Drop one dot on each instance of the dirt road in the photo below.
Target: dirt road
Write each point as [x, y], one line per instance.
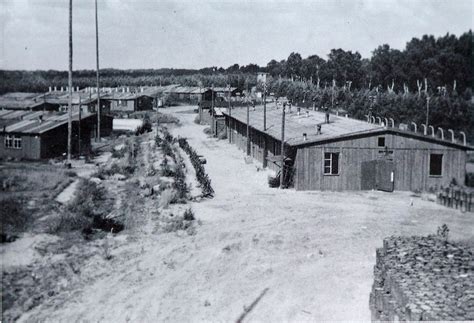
[314, 251]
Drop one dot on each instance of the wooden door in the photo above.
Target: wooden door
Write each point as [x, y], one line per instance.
[385, 175]
[378, 175]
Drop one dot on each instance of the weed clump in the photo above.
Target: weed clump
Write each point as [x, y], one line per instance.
[14, 218]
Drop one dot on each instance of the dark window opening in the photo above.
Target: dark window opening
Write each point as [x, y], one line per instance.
[331, 163]
[436, 164]
[381, 141]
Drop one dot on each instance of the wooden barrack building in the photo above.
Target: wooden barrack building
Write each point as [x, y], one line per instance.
[350, 154]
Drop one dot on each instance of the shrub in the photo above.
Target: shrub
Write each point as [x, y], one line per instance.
[14, 218]
[189, 215]
[443, 232]
[90, 200]
[176, 224]
[71, 173]
[118, 153]
[179, 183]
[67, 222]
[274, 181]
[145, 127]
[197, 120]
[202, 177]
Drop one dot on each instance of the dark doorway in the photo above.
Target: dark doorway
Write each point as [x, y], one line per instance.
[378, 175]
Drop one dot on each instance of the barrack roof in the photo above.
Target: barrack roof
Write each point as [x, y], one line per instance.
[27, 122]
[307, 121]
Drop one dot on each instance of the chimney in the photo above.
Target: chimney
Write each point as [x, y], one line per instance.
[77, 89]
[55, 89]
[62, 89]
[128, 89]
[305, 137]
[49, 90]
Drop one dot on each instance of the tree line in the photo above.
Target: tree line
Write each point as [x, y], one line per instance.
[391, 83]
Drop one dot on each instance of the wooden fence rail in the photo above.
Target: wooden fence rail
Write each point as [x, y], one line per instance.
[456, 198]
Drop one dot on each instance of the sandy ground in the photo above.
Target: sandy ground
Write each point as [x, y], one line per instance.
[313, 252]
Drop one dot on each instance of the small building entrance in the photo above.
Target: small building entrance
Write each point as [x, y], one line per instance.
[378, 175]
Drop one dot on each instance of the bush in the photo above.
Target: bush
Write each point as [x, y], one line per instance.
[14, 218]
[189, 215]
[274, 181]
[176, 224]
[145, 127]
[71, 173]
[91, 200]
[67, 222]
[179, 183]
[197, 120]
[202, 177]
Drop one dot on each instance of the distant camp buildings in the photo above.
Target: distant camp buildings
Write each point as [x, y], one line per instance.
[34, 125]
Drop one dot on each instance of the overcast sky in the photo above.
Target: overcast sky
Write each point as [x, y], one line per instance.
[196, 34]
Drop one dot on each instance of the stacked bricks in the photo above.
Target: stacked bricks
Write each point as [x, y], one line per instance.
[422, 278]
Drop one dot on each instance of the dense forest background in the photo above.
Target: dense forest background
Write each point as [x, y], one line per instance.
[429, 71]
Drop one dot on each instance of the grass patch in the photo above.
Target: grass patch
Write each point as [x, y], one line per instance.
[14, 218]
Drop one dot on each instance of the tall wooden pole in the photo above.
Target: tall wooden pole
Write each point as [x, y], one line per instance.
[265, 123]
[282, 173]
[248, 129]
[79, 128]
[230, 114]
[97, 61]
[264, 106]
[69, 121]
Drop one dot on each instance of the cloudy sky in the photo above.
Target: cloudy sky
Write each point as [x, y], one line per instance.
[196, 34]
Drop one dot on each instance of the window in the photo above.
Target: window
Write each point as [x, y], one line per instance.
[381, 142]
[331, 163]
[436, 164]
[13, 142]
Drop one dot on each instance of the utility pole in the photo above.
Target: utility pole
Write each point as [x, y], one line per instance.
[230, 114]
[264, 106]
[69, 120]
[79, 129]
[282, 171]
[97, 61]
[248, 129]
[265, 123]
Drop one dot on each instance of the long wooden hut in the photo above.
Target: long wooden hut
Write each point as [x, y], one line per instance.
[350, 154]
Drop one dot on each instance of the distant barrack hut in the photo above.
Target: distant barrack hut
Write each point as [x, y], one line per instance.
[37, 135]
[350, 154]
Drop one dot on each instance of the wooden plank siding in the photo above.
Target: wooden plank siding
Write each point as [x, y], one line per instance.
[410, 155]
[257, 142]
